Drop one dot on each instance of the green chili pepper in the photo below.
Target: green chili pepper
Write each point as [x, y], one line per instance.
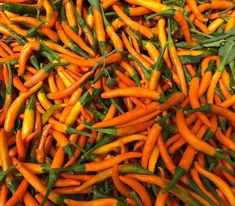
[19, 8]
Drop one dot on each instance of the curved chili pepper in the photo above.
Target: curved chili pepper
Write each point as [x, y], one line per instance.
[14, 108]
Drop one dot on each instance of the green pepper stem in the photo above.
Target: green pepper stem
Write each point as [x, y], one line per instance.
[204, 108]
[210, 66]
[137, 198]
[96, 113]
[94, 94]
[226, 170]
[50, 112]
[68, 150]
[103, 60]
[84, 97]
[102, 45]
[223, 157]
[95, 4]
[212, 163]
[70, 130]
[105, 20]
[21, 39]
[75, 168]
[170, 40]
[117, 106]
[19, 8]
[168, 13]
[31, 104]
[130, 168]
[145, 71]
[110, 130]
[211, 189]
[10, 62]
[79, 147]
[80, 20]
[160, 60]
[90, 156]
[230, 152]
[34, 61]
[33, 30]
[48, 67]
[208, 135]
[48, 56]
[63, 18]
[52, 53]
[179, 172]
[6, 172]
[192, 185]
[105, 140]
[12, 185]
[136, 78]
[51, 181]
[186, 74]
[45, 168]
[78, 50]
[198, 73]
[9, 88]
[99, 76]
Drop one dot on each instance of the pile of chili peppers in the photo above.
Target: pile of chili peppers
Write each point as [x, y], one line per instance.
[117, 102]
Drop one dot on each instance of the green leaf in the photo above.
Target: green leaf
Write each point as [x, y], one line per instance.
[214, 44]
[232, 68]
[224, 48]
[190, 59]
[217, 38]
[174, 2]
